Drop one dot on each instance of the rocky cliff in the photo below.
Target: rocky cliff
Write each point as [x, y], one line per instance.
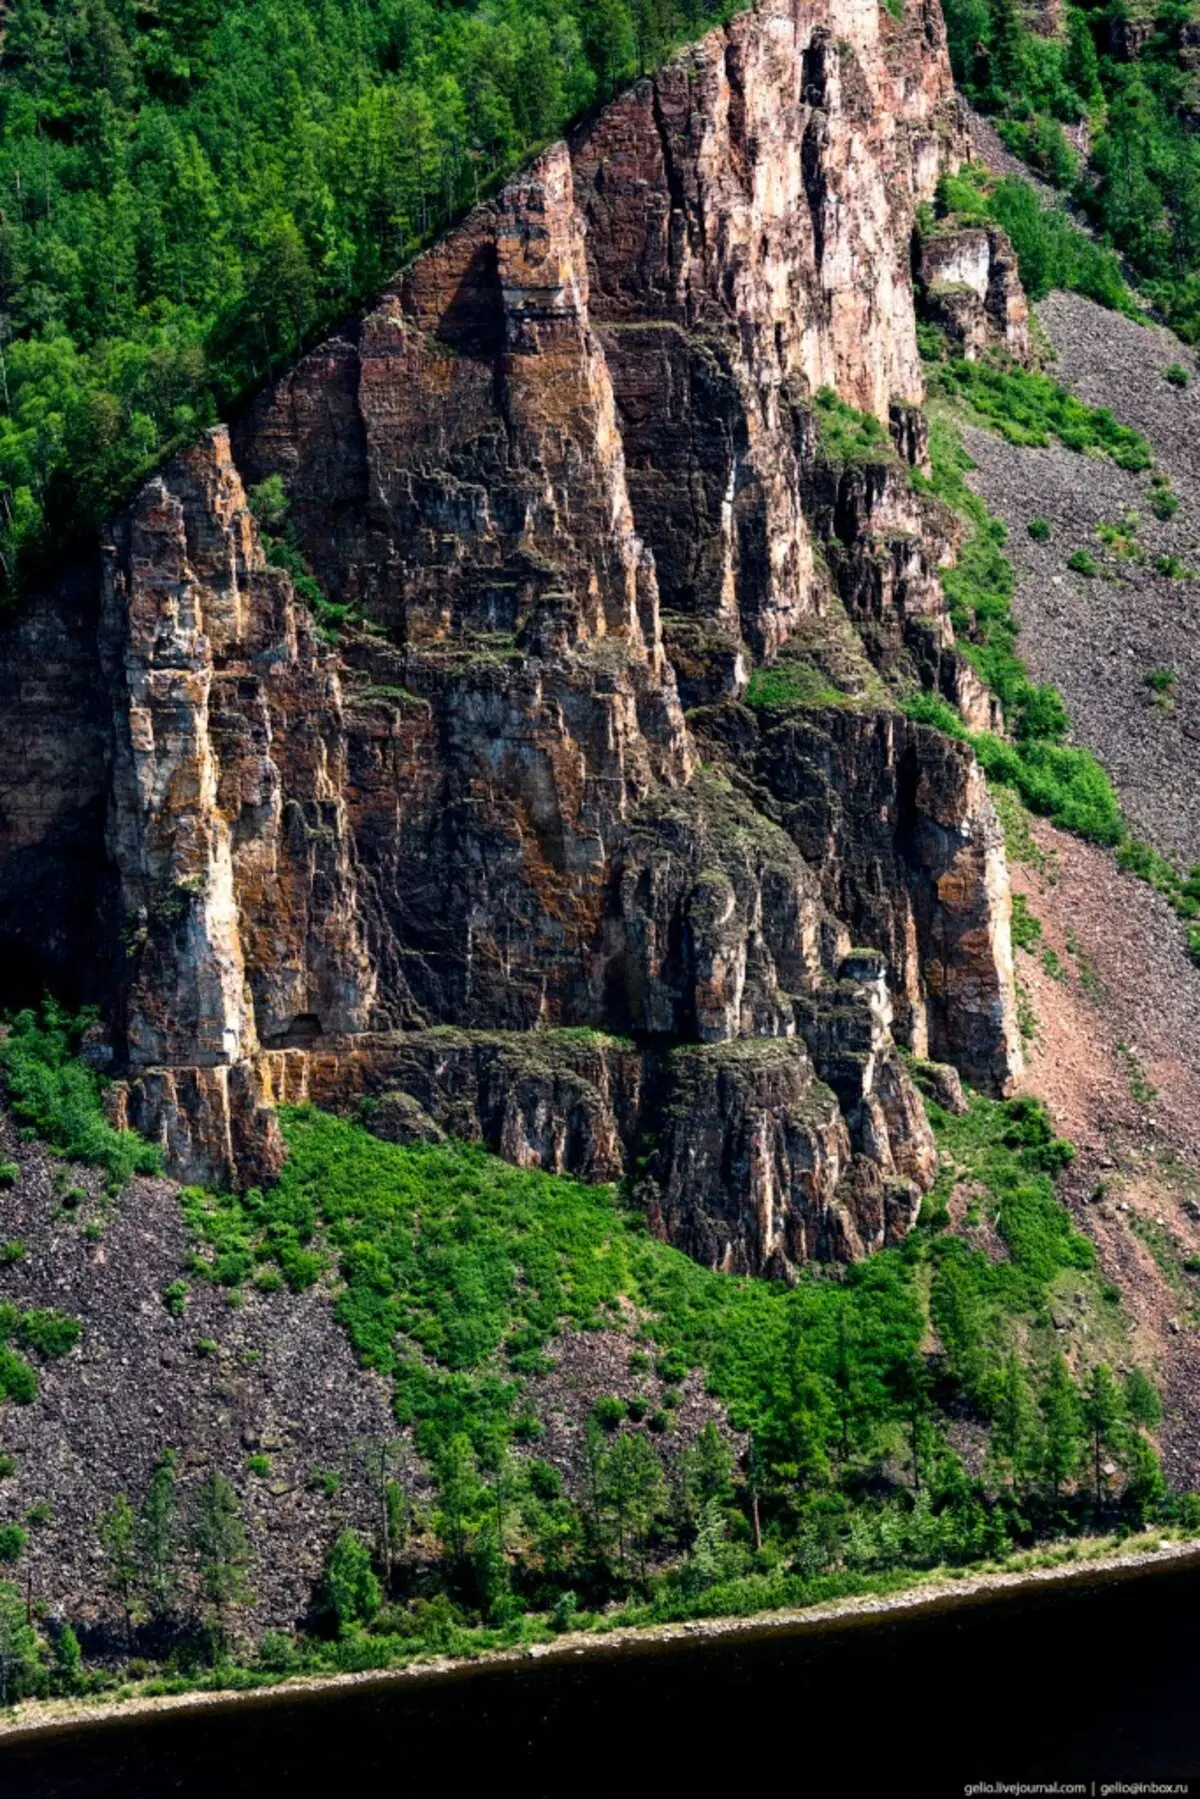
[469, 859]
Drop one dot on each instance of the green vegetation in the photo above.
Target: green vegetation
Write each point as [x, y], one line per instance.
[1026, 928]
[193, 190]
[1142, 178]
[1039, 529]
[1051, 251]
[1173, 567]
[1030, 409]
[1177, 375]
[790, 682]
[48, 1335]
[454, 1274]
[59, 1100]
[1163, 503]
[846, 435]
[1052, 777]
[12, 1542]
[1183, 892]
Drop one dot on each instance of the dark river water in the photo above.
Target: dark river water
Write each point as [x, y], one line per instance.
[1097, 1684]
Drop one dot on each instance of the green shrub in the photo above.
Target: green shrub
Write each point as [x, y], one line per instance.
[60, 1100]
[12, 1542]
[1030, 409]
[1159, 680]
[1026, 929]
[1177, 375]
[1172, 567]
[932, 709]
[18, 1382]
[352, 1592]
[846, 435]
[609, 1411]
[9, 1174]
[48, 1334]
[12, 1251]
[1039, 529]
[1163, 503]
[259, 1465]
[1082, 562]
[175, 1298]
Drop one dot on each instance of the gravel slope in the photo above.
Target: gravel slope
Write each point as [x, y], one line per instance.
[279, 1379]
[1097, 638]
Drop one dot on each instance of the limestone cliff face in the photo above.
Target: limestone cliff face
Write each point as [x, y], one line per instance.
[568, 476]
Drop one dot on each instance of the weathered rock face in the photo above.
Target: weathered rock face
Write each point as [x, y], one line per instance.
[895, 820]
[423, 865]
[971, 288]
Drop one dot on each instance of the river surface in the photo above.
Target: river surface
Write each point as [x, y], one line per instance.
[1099, 1683]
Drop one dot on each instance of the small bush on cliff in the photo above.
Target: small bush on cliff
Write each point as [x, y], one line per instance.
[46, 1334]
[58, 1099]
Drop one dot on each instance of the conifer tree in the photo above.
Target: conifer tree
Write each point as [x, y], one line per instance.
[1102, 1418]
[1060, 1414]
[117, 1532]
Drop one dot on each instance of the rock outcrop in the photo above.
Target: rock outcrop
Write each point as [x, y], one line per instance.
[565, 480]
[971, 288]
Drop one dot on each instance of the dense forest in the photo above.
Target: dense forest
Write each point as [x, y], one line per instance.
[1125, 74]
[188, 188]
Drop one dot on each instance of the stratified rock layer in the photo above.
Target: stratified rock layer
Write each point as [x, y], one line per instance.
[428, 867]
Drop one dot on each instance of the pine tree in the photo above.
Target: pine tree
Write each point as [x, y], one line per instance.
[1060, 1415]
[117, 1532]
[632, 1494]
[158, 1540]
[68, 1662]
[908, 1383]
[1014, 1440]
[1101, 1417]
[19, 1658]
[221, 1550]
[1145, 1487]
[1142, 1403]
[351, 1589]
[1005, 44]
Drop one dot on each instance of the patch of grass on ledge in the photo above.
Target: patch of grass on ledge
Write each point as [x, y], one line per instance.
[792, 683]
[846, 435]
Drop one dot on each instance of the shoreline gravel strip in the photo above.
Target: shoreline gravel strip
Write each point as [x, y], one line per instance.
[65, 1716]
